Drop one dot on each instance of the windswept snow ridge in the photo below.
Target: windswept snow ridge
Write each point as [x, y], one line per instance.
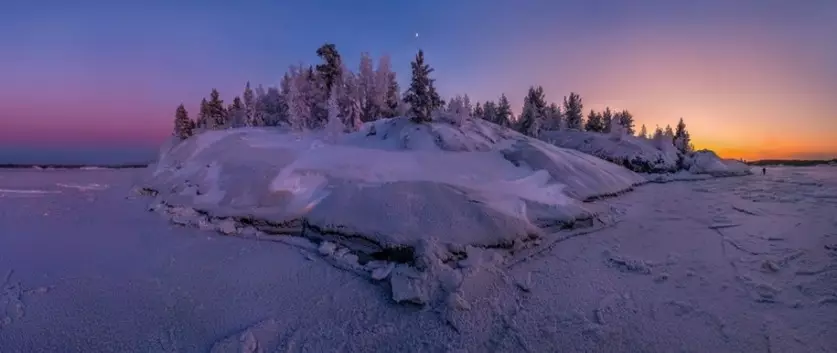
[633, 152]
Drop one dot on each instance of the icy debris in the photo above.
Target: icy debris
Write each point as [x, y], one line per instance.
[227, 227]
[524, 281]
[457, 302]
[327, 248]
[341, 252]
[770, 266]
[409, 285]
[662, 277]
[260, 338]
[626, 264]
[382, 272]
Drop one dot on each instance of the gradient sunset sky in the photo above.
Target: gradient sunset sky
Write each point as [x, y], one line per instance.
[98, 81]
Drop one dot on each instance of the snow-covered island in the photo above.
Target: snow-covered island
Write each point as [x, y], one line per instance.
[410, 199]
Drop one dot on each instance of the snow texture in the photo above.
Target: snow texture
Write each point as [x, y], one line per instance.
[720, 265]
[707, 162]
[394, 184]
[634, 153]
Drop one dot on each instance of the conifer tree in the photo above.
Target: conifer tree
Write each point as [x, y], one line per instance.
[236, 114]
[489, 111]
[349, 101]
[478, 113]
[669, 133]
[249, 105]
[386, 89]
[552, 117]
[595, 123]
[367, 83]
[572, 111]
[626, 119]
[203, 115]
[682, 139]
[643, 132]
[504, 113]
[331, 69]
[217, 113]
[531, 119]
[422, 96]
[182, 124]
[607, 119]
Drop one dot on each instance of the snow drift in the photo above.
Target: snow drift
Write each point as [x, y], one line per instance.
[635, 153]
[392, 185]
[707, 162]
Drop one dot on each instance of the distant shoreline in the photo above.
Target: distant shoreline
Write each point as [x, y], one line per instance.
[793, 162]
[73, 166]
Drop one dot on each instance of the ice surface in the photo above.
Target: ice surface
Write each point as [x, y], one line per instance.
[99, 274]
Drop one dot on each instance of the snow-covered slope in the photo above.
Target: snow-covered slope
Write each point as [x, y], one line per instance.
[637, 154]
[707, 162]
[392, 185]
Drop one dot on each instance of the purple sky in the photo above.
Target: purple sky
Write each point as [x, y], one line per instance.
[98, 81]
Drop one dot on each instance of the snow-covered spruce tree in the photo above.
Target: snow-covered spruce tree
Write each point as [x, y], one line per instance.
[422, 96]
[595, 123]
[643, 132]
[249, 105]
[658, 138]
[572, 111]
[203, 116]
[552, 117]
[217, 113]
[531, 118]
[682, 139]
[627, 121]
[607, 119]
[669, 132]
[237, 116]
[317, 99]
[182, 124]
[456, 111]
[489, 111]
[386, 89]
[275, 111]
[349, 101]
[335, 126]
[259, 110]
[504, 113]
[392, 108]
[331, 69]
[478, 112]
[617, 131]
[299, 107]
[367, 83]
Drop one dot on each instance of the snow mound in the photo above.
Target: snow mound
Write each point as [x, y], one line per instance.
[390, 188]
[635, 153]
[707, 162]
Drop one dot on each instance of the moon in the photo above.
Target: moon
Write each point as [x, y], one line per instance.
[416, 34]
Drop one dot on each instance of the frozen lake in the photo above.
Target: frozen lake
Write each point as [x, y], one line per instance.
[744, 264]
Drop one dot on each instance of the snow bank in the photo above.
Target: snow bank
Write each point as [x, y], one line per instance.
[635, 153]
[392, 185]
[707, 162]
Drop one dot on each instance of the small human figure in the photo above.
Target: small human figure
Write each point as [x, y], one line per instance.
[763, 170]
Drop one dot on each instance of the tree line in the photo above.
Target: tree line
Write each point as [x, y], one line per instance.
[331, 96]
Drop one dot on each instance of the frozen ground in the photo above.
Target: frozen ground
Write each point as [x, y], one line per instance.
[746, 264]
